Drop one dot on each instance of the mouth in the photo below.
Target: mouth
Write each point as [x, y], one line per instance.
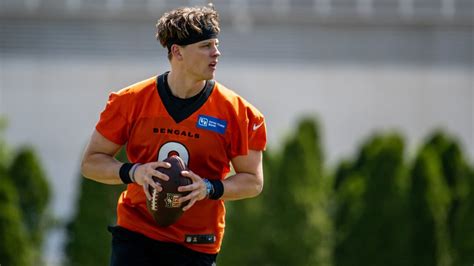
[213, 65]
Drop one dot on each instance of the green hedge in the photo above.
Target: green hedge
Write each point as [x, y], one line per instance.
[380, 207]
[24, 198]
[88, 241]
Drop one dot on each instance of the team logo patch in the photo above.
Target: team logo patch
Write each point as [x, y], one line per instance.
[171, 200]
[212, 123]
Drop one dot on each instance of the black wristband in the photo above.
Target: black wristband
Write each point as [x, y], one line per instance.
[124, 173]
[218, 190]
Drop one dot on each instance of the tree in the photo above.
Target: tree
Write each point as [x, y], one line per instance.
[14, 242]
[88, 241]
[370, 221]
[245, 228]
[288, 224]
[457, 175]
[15, 245]
[30, 181]
[463, 227]
[429, 201]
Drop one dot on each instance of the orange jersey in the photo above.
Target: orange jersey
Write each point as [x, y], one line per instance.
[207, 134]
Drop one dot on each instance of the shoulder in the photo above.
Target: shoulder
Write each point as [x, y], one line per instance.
[127, 97]
[235, 102]
[140, 87]
[246, 122]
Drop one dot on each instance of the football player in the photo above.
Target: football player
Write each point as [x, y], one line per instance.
[182, 112]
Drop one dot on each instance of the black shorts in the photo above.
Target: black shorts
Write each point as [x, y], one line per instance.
[131, 248]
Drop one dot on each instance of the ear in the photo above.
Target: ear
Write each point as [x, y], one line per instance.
[176, 52]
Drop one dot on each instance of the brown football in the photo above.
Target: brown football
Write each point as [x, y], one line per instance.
[164, 205]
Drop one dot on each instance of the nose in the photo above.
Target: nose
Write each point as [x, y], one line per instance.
[216, 52]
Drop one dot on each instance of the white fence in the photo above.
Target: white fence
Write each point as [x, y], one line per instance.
[331, 11]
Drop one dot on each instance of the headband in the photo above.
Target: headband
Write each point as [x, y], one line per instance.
[194, 37]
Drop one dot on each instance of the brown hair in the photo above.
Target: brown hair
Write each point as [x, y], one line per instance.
[179, 24]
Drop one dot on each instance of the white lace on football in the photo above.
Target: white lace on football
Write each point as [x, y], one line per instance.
[154, 200]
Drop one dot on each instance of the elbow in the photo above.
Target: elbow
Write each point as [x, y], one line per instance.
[84, 169]
[258, 188]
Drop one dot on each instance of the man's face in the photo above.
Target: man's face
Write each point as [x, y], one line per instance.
[200, 59]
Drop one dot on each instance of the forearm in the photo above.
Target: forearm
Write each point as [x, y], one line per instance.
[102, 168]
[241, 186]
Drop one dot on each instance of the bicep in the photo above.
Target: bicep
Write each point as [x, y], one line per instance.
[99, 144]
[98, 162]
[250, 163]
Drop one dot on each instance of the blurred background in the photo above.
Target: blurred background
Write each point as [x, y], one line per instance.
[347, 71]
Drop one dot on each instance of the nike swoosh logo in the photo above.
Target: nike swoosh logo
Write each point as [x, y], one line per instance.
[255, 126]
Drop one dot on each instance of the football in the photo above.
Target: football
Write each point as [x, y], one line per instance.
[164, 206]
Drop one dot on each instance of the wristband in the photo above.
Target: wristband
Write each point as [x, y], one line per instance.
[218, 189]
[132, 171]
[124, 173]
[209, 188]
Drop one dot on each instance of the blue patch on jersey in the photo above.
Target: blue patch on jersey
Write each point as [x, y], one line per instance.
[211, 123]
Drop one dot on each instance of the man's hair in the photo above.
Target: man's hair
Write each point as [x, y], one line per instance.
[181, 24]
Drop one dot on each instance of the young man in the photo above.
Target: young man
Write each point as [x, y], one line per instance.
[185, 112]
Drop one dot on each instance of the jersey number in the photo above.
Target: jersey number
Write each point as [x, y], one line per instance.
[173, 148]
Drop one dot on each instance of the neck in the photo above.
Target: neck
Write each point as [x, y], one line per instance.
[184, 87]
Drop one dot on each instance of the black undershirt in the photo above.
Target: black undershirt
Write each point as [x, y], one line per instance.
[180, 102]
[178, 108]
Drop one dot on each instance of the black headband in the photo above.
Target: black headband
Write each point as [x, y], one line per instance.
[194, 37]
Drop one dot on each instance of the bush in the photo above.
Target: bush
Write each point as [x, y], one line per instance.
[22, 219]
[14, 247]
[370, 217]
[288, 224]
[29, 179]
[88, 241]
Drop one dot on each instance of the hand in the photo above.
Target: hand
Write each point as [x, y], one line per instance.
[143, 176]
[198, 190]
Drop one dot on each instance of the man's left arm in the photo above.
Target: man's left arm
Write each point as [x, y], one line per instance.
[247, 182]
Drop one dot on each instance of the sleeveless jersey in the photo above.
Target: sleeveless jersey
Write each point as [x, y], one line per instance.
[207, 134]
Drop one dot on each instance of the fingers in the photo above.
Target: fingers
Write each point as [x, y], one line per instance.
[196, 184]
[197, 190]
[190, 204]
[192, 175]
[153, 172]
[159, 164]
[156, 186]
[144, 176]
[190, 196]
[147, 192]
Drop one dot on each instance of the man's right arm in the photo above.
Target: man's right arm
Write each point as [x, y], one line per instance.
[99, 164]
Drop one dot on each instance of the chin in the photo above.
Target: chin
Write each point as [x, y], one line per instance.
[206, 75]
[209, 76]
[212, 75]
